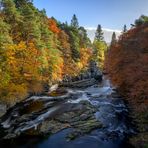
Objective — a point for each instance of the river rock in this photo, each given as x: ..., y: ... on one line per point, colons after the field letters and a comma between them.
x: 80, y: 117
x: 3, y: 109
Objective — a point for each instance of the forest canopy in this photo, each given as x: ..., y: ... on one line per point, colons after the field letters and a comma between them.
x: 36, y: 50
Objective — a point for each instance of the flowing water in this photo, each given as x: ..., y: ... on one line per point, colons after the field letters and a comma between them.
x: 29, y: 114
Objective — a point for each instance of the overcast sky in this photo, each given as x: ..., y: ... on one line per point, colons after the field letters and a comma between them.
x: 111, y: 14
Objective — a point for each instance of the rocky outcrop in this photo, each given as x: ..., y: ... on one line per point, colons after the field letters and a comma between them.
x: 80, y: 118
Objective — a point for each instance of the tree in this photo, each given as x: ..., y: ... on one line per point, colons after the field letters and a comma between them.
x: 36, y: 50
x: 84, y: 40
x: 127, y: 61
x: 5, y: 40
x: 53, y: 26
x: 4, y: 33
x: 124, y: 29
x: 142, y: 20
x: 100, y: 48
x: 74, y: 42
x: 13, y: 18
x: 22, y: 2
x: 74, y: 22
x: 31, y: 25
x: 114, y: 39
x: 99, y: 34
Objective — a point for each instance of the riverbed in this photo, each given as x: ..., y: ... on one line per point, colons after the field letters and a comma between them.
x: 92, y: 116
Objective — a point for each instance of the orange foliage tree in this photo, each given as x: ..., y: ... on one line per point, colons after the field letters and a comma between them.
x: 127, y: 63
x: 53, y: 26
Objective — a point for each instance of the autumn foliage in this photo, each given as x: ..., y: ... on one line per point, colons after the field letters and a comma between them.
x: 36, y: 51
x: 127, y: 65
x: 53, y: 26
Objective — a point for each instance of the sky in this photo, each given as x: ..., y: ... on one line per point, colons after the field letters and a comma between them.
x: 111, y: 14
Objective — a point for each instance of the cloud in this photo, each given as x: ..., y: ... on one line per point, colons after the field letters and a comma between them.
x: 107, y: 33
x: 90, y: 28
x: 104, y: 29
x: 111, y: 30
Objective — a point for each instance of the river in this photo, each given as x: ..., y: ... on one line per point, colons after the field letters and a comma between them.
x: 95, y: 116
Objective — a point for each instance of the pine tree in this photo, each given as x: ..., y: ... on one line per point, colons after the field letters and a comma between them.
x: 99, y: 34
x: 5, y: 41
x: 20, y: 3
x: 46, y: 34
x: 31, y: 24
x: 74, y: 42
x: 4, y: 33
x: 124, y: 29
x: 74, y: 22
x: 84, y: 40
x: 114, y: 39
x: 12, y: 17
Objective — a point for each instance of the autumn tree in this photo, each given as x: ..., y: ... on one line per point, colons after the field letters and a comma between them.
x: 36, y: 50
x: 99, y: 46
x: 127, y: 61
x: 5, y: 40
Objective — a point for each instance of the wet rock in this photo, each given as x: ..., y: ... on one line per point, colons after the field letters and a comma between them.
x: 84, y: 127
x: 52, y: 126
x: 80, y: 84
x: 53, y: 87
x: 3, y: 109
x: 84, y: 116
x: 32, y: 107
x: 80, y: 117
x: 98, y: 77
x: 115, y: 95
x: 57, y: 92
x: 112, y: 135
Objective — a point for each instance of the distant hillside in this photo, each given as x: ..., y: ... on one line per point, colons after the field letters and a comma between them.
x: 107, y: 33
